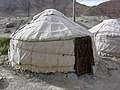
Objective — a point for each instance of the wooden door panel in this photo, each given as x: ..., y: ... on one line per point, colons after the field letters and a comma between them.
x: 83, y: 55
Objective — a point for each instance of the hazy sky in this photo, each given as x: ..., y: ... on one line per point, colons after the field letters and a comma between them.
x: 91, y: 2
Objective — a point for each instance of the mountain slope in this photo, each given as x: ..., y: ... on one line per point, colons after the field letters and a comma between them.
x: 20, y: 7
x: 110, y: 9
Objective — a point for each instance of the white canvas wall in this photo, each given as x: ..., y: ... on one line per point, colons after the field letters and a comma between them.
x: 54, y: 56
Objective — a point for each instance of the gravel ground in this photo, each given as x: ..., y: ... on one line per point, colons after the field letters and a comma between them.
x: 106, y: 78
x: 15, y: 20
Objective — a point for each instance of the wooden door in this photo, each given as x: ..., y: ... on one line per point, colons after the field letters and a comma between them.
x: 83, y: 55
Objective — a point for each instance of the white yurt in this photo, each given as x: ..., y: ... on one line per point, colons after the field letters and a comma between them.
x: 52, y: 43
x: 107, y: 37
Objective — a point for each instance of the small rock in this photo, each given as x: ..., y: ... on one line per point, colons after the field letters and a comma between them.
x: 14, y: 73
x: 36, y: 80
x: 1, y: 63
x: 1, y: 78
x: 9, y: 25
x: 7, y: 30
x: 72, y: 76
x: 6, y: 58
x: 27, y: 76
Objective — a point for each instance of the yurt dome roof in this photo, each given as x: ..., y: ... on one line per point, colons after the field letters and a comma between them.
x: 50, y: 25
x: 110, y: 27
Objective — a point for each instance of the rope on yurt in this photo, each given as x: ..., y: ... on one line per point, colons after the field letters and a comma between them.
x: 59, y: 52
x: 99, y: 36
x: 103, y: 41
x: 21, y: 48
x: 17, y: 27
x: 117, y: 42
x: 32, y: 50
x: 106, y: 40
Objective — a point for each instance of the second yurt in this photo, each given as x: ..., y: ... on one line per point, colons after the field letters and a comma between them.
x: 107, y: 37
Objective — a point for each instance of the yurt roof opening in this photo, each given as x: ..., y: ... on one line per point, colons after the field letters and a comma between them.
x: 52, y: 43
x: 107, y: 37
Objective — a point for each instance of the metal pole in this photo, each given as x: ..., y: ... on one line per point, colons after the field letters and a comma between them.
x: 28, y: 7
x: 74, y: 10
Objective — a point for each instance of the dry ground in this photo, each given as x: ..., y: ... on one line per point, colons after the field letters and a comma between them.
x: 107, y: 77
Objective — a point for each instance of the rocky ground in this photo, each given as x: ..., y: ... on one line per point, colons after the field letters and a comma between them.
x: 16, y: 24
x: 107, y: 77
